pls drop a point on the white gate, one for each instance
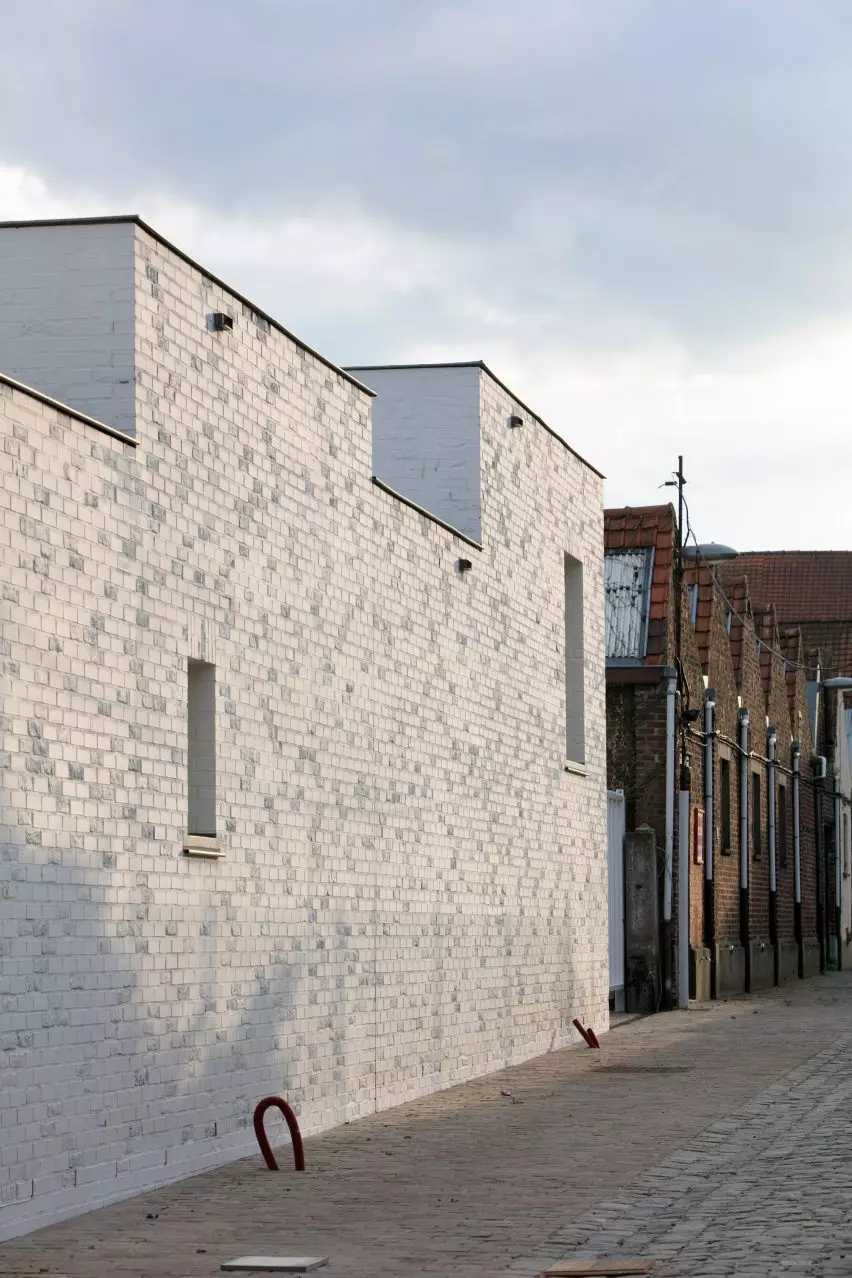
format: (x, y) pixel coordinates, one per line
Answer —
(615, 859)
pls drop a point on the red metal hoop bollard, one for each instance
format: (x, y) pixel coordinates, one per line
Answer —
(263, 1140)
(590, 1038)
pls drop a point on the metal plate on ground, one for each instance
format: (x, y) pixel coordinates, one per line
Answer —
(604, 1266)
(627, 1068)
(275, 1264)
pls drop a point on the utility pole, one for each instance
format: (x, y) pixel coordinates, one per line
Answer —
(687, 714)
(682, 771)
(679, 576)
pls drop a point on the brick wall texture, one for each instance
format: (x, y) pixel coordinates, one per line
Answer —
(744, 665)
(413, 888)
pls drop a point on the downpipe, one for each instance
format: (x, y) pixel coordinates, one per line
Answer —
(819, 781)
(771, 751)
(709, 822)
(838, 837)
(683, 884)
(796, 750)
(668, 886)
(745, 937)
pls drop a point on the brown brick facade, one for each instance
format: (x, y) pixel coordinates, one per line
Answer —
(737, 650)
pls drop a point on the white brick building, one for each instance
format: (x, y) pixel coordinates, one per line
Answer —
(404, 885)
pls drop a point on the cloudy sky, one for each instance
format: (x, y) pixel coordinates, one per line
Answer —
(638, 212)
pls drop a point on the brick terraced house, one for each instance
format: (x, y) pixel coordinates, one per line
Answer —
(755, 922)
(812, 593)
(303, 713)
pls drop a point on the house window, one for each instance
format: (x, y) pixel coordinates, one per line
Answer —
(782, 825)
(575, 666)
(725, 798)
(845, 845)
(756, 841)
(201, 749)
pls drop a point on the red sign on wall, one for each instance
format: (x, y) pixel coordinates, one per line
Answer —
(698, 836)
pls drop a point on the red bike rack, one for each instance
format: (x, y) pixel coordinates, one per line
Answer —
(277, 1102)
(589, 1036)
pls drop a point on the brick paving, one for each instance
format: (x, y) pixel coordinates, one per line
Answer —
(717, 1142)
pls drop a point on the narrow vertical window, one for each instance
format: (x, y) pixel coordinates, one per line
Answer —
(782, 825)
(692, 597)
(201, 748)
(725, 799)
(845, 846)
(756, 841)
(575, 666)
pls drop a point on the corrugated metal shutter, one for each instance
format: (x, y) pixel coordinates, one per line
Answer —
(626, 585)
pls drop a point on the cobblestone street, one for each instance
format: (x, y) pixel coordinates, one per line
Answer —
(715, 1142)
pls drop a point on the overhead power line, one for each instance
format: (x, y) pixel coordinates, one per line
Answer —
(744, 621)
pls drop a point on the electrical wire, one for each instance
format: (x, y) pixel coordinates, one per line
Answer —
(795, 665)
(813, 783)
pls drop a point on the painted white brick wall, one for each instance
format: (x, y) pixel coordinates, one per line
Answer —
(414, 890)
(67, 315)
(426, 433)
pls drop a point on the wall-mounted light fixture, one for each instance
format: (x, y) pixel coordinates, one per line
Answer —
(464, 565)
(515, 422)
(220, 322)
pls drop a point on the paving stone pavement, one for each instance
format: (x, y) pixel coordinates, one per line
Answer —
(715, 1142)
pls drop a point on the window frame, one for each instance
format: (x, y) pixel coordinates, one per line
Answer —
(201, 714)
(574, 661)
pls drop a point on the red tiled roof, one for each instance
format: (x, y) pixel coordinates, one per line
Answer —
(804, 585)
(696, 575)
(736, 589)
(633, 527)
(811, 589)
(766, 625)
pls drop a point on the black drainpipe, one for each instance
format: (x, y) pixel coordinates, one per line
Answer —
(745, 938)
(709, 822)
(819, 776)
(771, 746)
(797, 859)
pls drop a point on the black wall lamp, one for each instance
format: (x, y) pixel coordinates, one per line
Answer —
(220, 322)
(515, 422)
(464, 565)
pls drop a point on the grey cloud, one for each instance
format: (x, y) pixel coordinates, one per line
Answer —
(613, 172)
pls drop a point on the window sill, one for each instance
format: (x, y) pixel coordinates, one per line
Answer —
(578, 769)
(203, 846)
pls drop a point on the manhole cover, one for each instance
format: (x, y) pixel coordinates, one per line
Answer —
(643, 1069)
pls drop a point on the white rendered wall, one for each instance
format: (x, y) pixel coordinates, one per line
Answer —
(67, 315)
